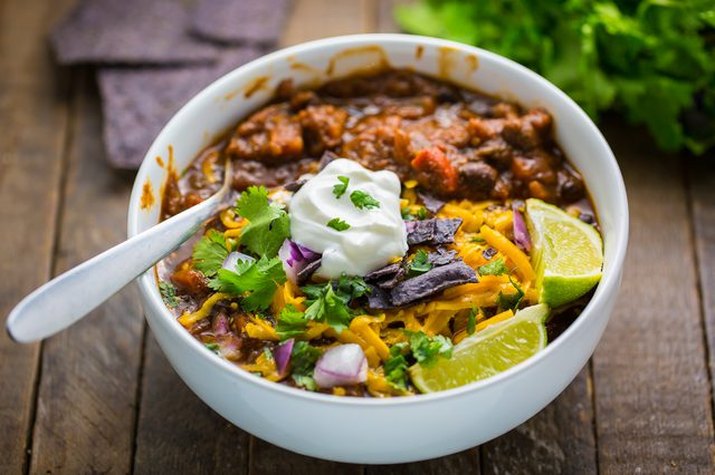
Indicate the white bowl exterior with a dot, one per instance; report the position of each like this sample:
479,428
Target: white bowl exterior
400,429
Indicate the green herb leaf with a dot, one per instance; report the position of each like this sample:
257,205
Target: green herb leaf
268,224
291,323
472,320
302,362
340,189
478,240
363,200
338,224
210,252
420,263
330,303
419,215
212,346
511,301
426,349
168,294
495,267
396,366
255,281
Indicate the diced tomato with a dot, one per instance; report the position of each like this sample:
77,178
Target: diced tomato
434,164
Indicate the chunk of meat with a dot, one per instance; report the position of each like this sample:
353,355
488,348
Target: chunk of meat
322,127
189,280
477,179
435,171
272,135
528,131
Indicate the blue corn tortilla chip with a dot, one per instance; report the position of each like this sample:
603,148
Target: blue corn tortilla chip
240,21
432,204
432,231
431,282
137,102
442,257
129,32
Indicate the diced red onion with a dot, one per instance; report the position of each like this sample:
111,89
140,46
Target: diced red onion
229,346
342,365
232,260
220,325
521,234
295,257
282,356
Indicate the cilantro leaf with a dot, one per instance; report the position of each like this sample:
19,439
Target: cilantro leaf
338,224
420,263
255,281
168,294
472,320
478,240
268,224
511,301
212,346
330,303
340,189
302,361
210,252
396,366
426,349
419,215
495,267
291,322
362,200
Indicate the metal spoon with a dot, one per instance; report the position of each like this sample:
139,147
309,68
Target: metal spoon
67,298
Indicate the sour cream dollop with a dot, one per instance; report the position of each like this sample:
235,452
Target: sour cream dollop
376,235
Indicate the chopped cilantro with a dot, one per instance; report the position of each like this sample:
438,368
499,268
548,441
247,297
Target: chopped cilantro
396,366
210,252
302,361
340,189
419,215
495,267
256,281
212,346
330,303
338,224
426,349
420,263
472,320
291,322
168,294
511,301
478,239
362,200
268,224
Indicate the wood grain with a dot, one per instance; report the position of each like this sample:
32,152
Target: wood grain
313,19
701,177
653,402
459,463
34,106
177,432
267,459
559,439
86,397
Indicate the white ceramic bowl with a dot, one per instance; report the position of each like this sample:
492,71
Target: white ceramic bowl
398,429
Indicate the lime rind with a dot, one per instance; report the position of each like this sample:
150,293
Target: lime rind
487,353
567,254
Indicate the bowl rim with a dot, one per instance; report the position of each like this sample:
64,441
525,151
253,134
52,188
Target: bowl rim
607,287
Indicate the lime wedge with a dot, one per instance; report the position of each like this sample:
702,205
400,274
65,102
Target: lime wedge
567,254
486,353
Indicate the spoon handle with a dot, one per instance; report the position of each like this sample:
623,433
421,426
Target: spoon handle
67,298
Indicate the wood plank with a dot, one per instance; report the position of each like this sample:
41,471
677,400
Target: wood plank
313,19
463,462
560,439
34,105
653,402
267,459
177,432
85,410
701,177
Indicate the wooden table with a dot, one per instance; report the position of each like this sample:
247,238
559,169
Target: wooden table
101,397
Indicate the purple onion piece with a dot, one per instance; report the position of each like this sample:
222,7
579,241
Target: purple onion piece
295,258
220,325
521,234
229,346
343,365
232,260
282,356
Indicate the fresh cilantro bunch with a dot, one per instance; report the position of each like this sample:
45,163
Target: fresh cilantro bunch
654,61
302,361
256,281
268,223
330,302
426,349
